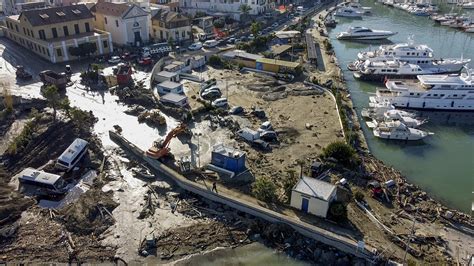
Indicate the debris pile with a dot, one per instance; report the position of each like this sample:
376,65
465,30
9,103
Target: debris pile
152,118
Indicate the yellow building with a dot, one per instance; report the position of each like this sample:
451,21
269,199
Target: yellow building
168,25
53,33
276,66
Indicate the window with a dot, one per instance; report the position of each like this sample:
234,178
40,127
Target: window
105,19
66,31
55,32
24,31
32,34
116,23
88,29
42,35
76,28
183,34
106,44
47,50
59,52
16,27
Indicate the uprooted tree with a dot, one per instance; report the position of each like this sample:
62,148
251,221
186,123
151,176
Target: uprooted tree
342,152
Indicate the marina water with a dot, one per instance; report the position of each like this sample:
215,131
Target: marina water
443,164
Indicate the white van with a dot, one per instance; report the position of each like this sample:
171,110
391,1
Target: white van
210,43
195,46
72,155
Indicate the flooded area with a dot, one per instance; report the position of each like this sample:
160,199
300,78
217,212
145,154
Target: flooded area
442,163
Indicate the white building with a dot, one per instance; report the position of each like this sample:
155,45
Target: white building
15,7
313,196
178,100
226,7
166,76
128,23
166,87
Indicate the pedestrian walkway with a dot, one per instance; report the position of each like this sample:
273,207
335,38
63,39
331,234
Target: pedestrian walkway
328,234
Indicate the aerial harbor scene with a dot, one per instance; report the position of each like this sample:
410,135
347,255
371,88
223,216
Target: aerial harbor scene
262,132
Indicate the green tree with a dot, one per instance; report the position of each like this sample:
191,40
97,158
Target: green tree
338,212
255,28
65,104
218,23
340,151
264,189
289,183
215,61
79,118
51,94
83,49
245,9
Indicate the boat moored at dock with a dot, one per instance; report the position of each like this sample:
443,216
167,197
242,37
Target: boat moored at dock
363,33
436,92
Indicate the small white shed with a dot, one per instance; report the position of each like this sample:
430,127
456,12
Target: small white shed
166,76
313,196
178,100
166,87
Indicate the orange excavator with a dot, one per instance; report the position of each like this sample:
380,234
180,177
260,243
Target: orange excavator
161,148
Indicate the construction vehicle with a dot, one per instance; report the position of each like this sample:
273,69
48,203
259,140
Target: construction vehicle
22,74
161,148
49,77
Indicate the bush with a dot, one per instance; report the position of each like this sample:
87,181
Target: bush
215,61
264,189
338,212
359,196
289,183
340,151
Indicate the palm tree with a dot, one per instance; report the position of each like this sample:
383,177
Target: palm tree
245,9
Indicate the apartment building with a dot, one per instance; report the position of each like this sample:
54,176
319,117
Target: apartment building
168,25
128,23
56,34
231,8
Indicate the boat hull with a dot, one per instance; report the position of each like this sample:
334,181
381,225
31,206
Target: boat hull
379,37
431,104
382,77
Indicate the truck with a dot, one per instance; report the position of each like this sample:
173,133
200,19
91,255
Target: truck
49,77
22,74
124,74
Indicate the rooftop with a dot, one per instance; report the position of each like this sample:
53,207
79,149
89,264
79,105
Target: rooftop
38,176
169,84
315,188
76,146
287,34
111,9
228,151
167,74
173,97
278,62
169,16
241,54
279,49
55,15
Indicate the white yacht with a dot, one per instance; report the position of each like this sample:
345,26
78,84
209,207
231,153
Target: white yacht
437,92
356,6
348,12
396,130
380,70
468,5
363,33
406,118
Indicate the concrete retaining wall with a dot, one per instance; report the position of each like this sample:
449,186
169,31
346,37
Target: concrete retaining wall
329,238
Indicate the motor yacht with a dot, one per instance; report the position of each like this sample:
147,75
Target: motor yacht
363,33
396,130
433,92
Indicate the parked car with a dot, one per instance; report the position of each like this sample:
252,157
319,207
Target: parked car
212,93
243,39
267,125
231,41
268,135
114,60
248,134
195,46
236,110
251,37
274,25
210,44
220,103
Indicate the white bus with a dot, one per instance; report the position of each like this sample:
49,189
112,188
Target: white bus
72,155
46,183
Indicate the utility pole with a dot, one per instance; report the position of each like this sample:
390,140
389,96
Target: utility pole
199,150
